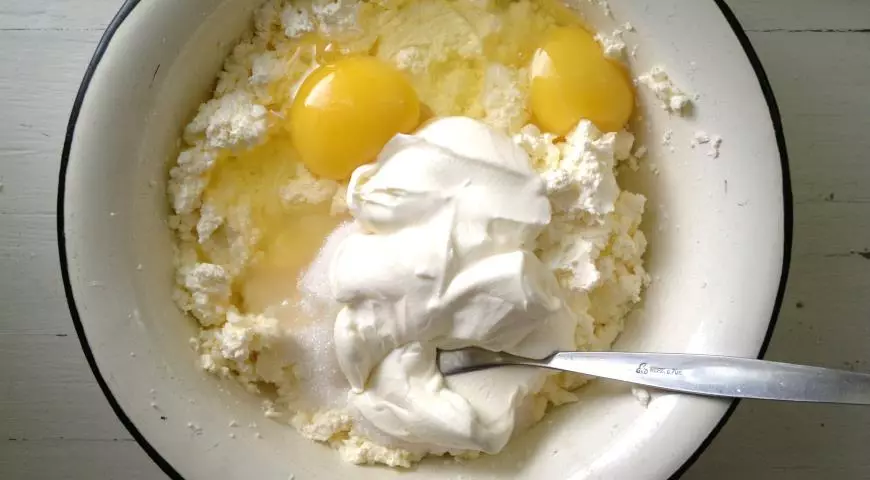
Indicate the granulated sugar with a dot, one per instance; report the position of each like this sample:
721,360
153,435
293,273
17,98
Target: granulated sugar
316,294
315,364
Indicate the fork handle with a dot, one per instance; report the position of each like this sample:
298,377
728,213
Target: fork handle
719,376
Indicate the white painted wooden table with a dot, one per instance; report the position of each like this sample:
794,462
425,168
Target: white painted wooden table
55,423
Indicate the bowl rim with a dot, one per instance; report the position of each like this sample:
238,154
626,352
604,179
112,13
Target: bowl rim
129,5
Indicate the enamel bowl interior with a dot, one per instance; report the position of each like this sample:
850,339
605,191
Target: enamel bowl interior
717,232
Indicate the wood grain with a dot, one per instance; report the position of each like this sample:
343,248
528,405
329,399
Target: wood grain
802,15
42,15
56,423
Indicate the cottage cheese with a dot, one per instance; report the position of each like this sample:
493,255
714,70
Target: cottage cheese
189,177
642,396
209,287
613,44
671,98
503,97
296,21
713,141
234,120
591,246
583,180
585,225
266,67
305,188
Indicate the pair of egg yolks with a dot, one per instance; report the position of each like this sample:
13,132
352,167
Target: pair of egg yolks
346,111
572,80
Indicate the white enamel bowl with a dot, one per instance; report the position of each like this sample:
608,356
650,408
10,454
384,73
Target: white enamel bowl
719,233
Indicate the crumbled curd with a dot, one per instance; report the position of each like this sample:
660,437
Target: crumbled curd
262,214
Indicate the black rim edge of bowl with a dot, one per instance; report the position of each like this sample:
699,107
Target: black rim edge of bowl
164,465
103,44
788,216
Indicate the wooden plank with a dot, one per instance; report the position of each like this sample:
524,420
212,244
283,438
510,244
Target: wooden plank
50,393
120,459
36,97
802,15
821,87
788,442
31,294
56,422
57,15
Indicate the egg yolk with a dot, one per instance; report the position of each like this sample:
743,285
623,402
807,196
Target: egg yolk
571,80
345,112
